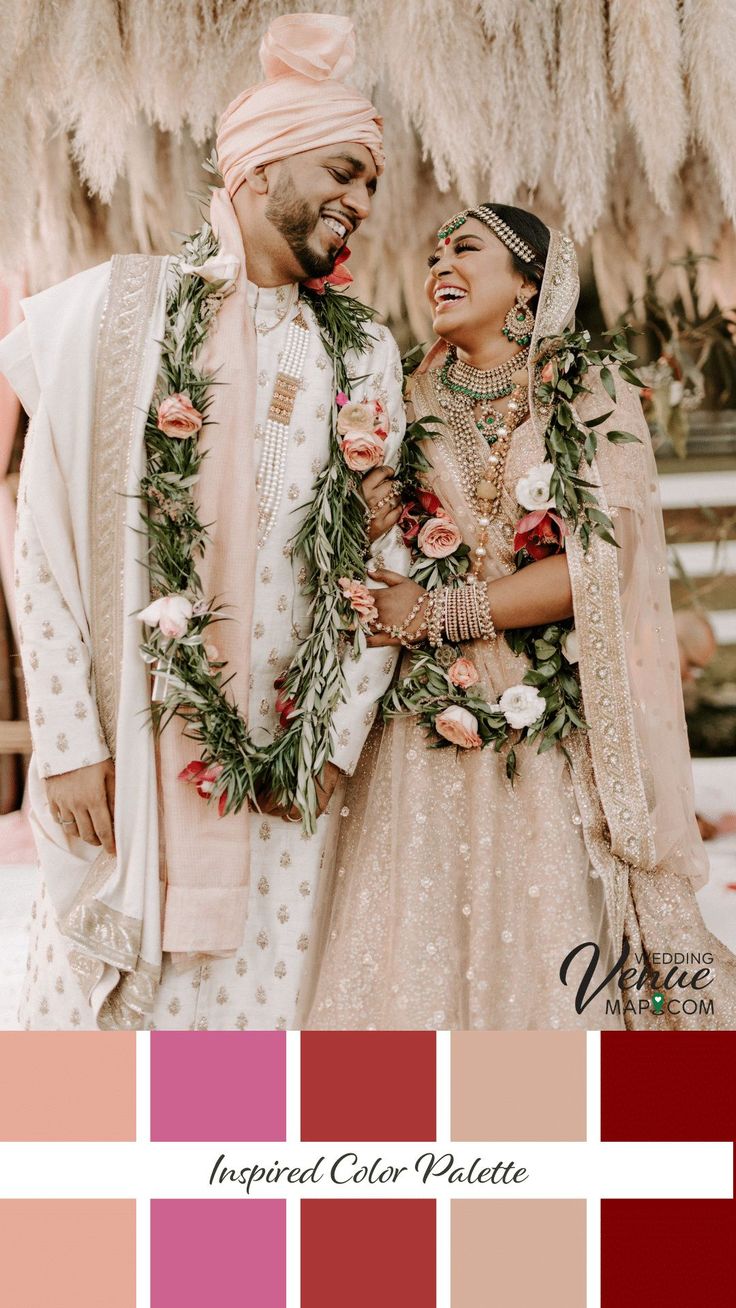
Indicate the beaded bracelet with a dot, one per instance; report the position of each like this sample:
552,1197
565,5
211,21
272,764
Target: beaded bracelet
401,633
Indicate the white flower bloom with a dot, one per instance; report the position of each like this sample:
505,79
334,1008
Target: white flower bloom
571,646
532,491
521,706
677,390
220,268
170,614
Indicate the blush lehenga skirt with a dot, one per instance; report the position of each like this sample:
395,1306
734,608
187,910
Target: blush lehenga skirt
455,896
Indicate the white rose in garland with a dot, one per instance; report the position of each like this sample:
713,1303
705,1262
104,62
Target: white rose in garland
532,490
571,646
521,706
171,614
218,268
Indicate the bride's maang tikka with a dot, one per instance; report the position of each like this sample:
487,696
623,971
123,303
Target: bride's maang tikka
487,215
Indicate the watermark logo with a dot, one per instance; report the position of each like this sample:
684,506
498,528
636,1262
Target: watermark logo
667,983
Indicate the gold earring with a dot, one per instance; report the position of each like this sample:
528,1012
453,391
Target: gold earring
519,322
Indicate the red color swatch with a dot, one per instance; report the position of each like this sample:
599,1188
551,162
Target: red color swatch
368,1085
368,1252
670,1085
667,1251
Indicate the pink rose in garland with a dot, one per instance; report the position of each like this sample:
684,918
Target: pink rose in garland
459,726
463,673
439,536
358,424
338,277
178,417
362,452
540,533
360,599
204,776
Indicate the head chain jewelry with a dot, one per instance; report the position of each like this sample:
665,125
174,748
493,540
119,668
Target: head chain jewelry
486,214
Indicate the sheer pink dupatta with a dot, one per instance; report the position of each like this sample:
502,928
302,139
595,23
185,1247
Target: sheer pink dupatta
207,856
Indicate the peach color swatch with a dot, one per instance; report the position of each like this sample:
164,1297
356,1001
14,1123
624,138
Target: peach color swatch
520,1252
518,1085
67,1253
67,1085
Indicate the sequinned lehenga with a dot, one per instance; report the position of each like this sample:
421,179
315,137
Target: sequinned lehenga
455,896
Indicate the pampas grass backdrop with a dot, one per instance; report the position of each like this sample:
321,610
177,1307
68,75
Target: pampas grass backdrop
612,118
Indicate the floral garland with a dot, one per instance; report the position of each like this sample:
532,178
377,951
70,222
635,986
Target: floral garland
190,679
442,687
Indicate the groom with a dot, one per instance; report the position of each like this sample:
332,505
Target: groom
166,912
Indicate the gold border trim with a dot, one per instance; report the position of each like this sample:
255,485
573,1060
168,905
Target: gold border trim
607,698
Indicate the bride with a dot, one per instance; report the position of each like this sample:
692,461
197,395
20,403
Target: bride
461,892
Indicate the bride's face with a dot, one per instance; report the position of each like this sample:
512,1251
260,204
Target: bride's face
471,286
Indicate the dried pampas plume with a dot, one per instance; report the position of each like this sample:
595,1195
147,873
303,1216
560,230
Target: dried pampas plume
709,39
573,108
646,66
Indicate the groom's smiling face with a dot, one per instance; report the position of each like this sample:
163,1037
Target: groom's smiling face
317,199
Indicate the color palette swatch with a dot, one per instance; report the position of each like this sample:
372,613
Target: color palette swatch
526,1252
368,1085
518,1085
368,1252
67,1085
67,1253
219,1086
228,1251
358,1108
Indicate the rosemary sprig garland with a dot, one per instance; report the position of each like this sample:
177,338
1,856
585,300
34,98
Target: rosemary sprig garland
331,540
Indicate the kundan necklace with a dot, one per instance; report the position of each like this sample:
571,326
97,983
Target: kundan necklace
480,465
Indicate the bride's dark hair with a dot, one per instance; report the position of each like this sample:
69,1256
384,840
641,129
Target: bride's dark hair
533,232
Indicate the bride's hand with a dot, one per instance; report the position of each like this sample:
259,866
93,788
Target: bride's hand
394,604
377,488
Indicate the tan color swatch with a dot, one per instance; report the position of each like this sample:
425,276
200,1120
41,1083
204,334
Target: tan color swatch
518,1085
67,1253
67,1085
518,1253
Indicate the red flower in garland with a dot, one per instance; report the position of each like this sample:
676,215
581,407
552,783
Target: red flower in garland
429,502
409,523
284,707
203,776
540,533
338,277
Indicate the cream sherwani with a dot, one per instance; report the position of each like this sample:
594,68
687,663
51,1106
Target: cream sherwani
259,986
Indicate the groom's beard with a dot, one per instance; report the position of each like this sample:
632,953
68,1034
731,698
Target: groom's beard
296,220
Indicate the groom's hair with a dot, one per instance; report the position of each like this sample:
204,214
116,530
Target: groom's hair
534,233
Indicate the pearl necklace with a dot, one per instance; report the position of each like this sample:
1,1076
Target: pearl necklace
270,479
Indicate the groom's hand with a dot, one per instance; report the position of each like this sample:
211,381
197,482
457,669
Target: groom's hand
83,803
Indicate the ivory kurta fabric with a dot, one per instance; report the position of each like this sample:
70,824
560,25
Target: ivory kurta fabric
258,986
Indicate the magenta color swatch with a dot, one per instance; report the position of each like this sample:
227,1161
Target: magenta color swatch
218,1085
218,1251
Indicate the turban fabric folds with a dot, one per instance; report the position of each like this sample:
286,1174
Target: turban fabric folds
303,104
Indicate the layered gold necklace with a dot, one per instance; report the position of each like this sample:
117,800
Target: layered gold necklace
467,394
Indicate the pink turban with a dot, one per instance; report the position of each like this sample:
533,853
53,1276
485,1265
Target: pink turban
303,104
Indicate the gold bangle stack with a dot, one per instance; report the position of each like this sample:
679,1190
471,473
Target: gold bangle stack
468,614
436,615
